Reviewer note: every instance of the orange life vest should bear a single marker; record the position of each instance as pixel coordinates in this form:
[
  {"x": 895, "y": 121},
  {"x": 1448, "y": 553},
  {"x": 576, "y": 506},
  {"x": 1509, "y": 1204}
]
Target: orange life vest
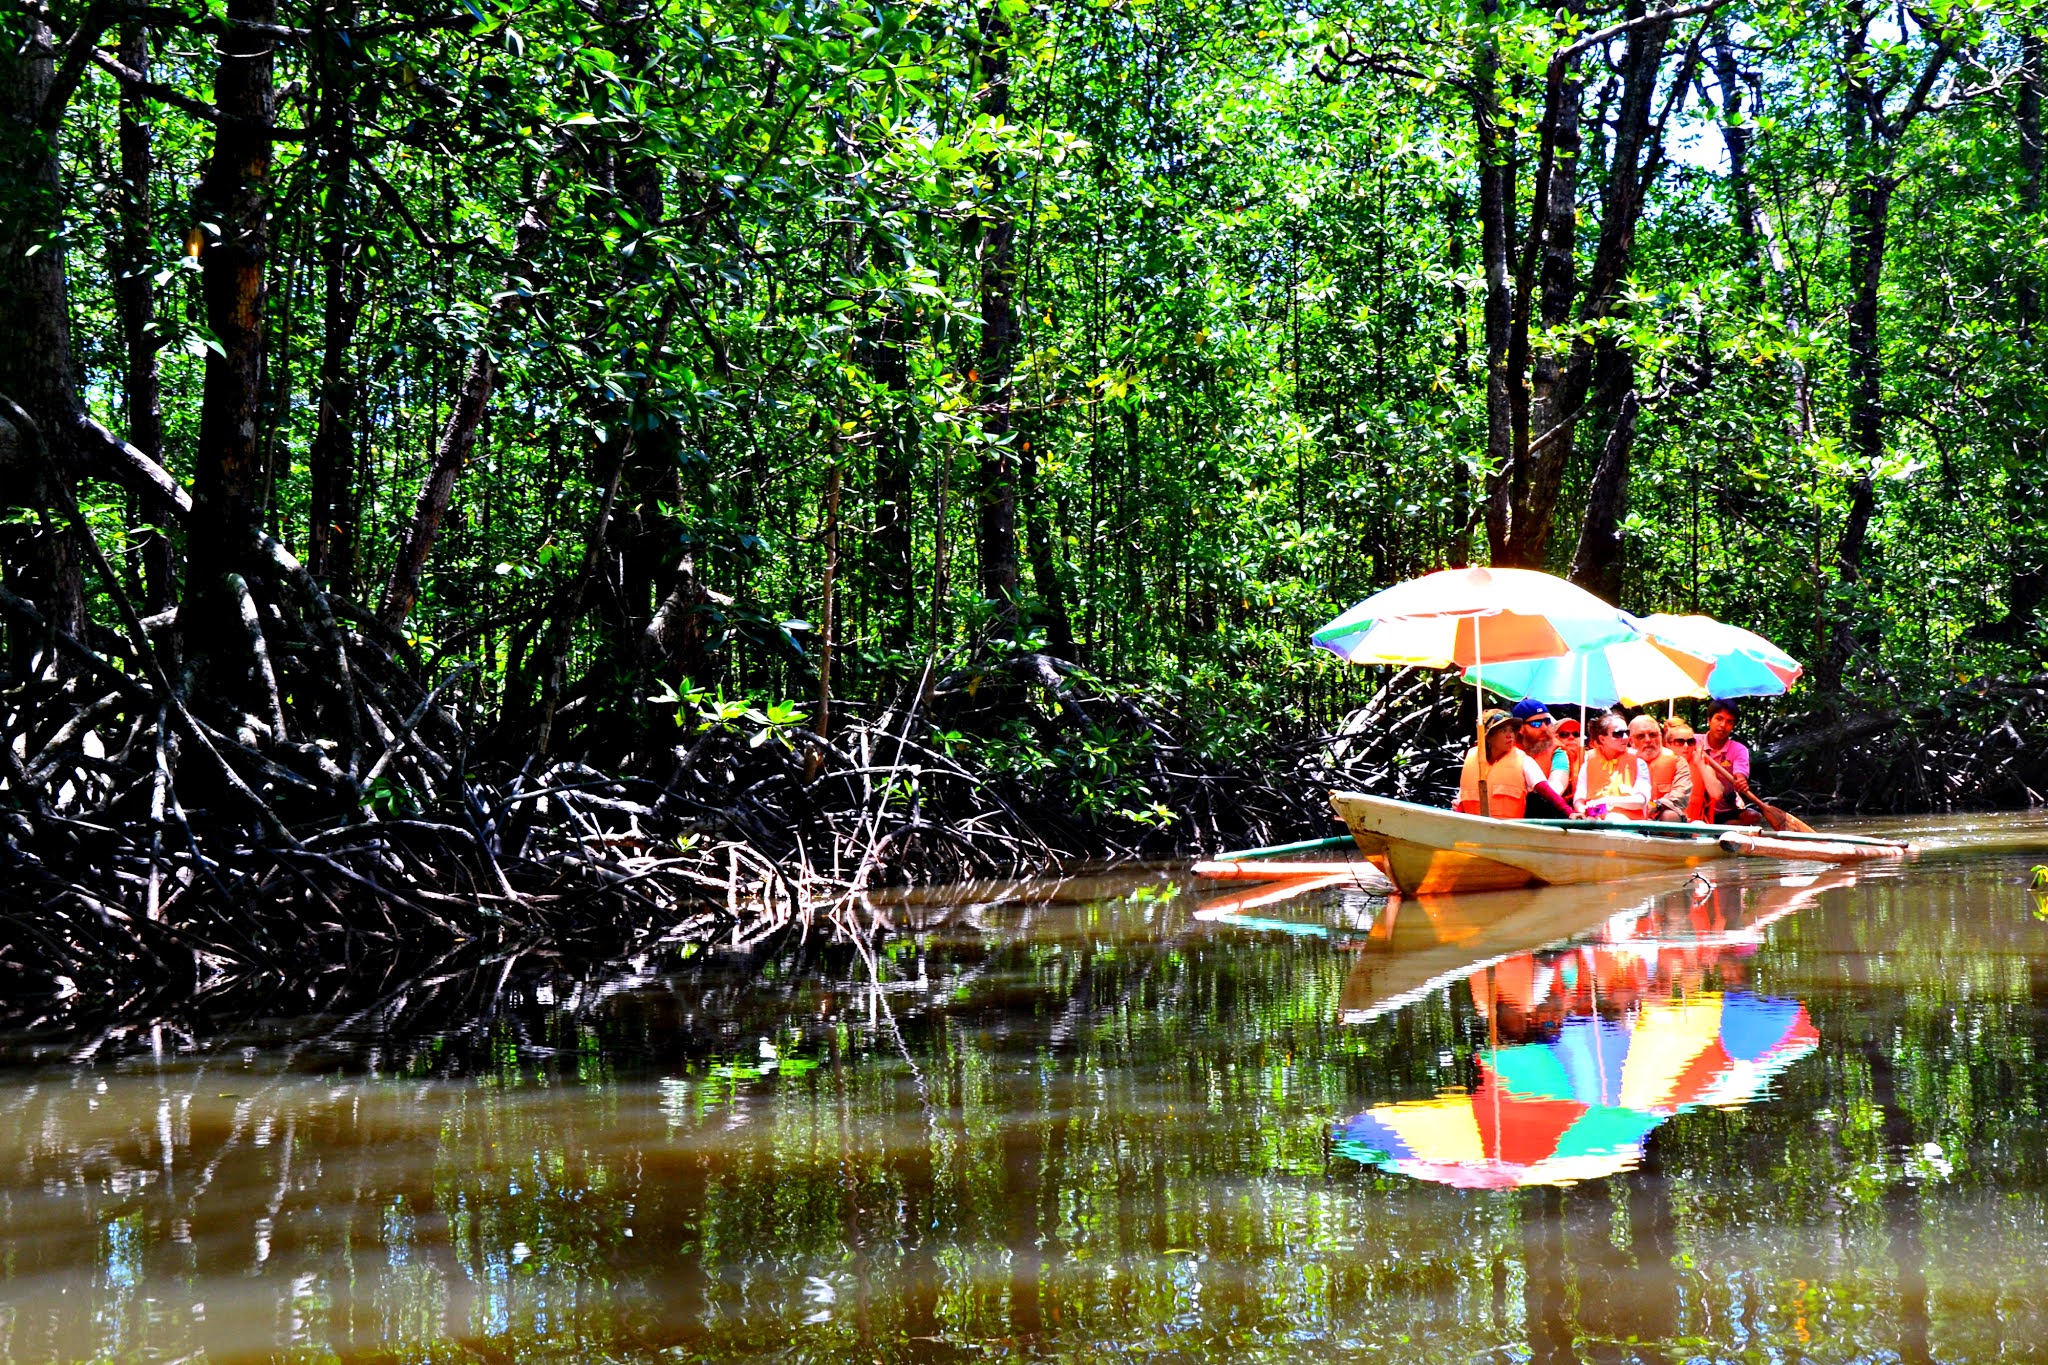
[
  {"x": 1701, "y": 807},
  {"x": 1612, "y": 781},
  {"x": 1663, "y": 773},
  {"x": 1507, "y": 784}
]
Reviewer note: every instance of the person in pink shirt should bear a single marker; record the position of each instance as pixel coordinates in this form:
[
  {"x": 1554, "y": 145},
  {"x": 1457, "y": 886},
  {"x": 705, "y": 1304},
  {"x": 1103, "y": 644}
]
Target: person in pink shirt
[{"x": 1719, "y": 746}]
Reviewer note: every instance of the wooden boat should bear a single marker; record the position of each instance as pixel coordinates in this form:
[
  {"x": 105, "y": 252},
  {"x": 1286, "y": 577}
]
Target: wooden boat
[{"x": 1430, "y": 852}]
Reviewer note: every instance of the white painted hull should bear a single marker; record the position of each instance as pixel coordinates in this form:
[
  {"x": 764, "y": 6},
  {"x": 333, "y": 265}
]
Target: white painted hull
[{"x": 1431, "y": 852}]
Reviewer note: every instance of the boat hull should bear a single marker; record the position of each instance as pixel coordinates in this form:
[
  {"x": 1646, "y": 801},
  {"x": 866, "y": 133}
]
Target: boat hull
[{"x": 1431, "y": 852}]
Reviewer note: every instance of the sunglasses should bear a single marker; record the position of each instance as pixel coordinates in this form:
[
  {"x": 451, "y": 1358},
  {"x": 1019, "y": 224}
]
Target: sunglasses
[
  {"x": 1686, "y": 742},
  {"x": 1536, "y": 722}
]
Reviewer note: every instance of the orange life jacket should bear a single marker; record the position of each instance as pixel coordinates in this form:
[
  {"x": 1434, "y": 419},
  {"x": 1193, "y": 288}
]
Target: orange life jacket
[
  {"x": 1701, "y": 806},
  {"x": 1707, "y": 784},
  {"x": 1507, "y": 784},
  {"x": 1663, "y": 773},
  {"x": 1607, "y": 780}
]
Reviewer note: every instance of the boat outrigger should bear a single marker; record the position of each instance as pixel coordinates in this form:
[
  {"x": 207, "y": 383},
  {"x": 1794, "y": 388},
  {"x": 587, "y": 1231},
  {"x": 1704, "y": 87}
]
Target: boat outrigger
[{"x": 1431, "y": 852}]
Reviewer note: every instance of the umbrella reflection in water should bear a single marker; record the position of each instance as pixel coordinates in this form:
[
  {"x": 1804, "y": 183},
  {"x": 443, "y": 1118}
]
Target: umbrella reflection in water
[{"x": 1608, "y": 1040}]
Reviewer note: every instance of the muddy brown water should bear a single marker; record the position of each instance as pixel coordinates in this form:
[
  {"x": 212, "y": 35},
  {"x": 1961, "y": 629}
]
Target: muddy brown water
[{"x": 1784, "y": 1116}]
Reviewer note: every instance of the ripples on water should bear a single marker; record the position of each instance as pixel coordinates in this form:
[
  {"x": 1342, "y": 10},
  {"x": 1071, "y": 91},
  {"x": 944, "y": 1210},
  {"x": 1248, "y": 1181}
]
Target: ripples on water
[{"x": 1803, "y": 1119}]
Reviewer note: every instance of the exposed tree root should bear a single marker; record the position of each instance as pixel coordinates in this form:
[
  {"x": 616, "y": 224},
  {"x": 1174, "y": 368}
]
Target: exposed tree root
[
  {"x": 335, "y": 828},
  {"x": 326, "y": 824}
]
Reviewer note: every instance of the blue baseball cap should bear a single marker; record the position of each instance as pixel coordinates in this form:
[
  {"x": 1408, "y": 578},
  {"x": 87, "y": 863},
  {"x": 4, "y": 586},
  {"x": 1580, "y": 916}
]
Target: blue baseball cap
[{"x": 1528, "y": 708}]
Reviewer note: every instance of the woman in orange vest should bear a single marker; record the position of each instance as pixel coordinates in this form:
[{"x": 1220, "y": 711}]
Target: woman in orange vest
[
  {"x": 1512, "y": 777},
  {"x": 1679, "y": 739},
  {"x": 1614, "y": 782}
]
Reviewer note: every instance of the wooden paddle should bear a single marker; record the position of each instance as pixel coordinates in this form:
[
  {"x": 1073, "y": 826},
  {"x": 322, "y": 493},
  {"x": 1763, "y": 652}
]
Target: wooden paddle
[{"x": 1779, "y": 820}]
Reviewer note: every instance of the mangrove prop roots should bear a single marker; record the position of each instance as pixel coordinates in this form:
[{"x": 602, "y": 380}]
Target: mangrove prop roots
[
  {"x": 323, "y": 824},
  {"x": 338, "y": 830}
]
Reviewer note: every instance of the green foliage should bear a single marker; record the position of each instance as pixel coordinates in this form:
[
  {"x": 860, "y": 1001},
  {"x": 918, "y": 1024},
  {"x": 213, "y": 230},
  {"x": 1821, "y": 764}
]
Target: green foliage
[
  {"x": 1250, "y": 371},
  {"x": 701, "y": 709}
]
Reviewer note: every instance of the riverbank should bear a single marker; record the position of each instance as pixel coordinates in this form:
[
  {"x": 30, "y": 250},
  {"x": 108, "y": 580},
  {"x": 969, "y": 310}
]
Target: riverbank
[{"x": 137, "y": 888}]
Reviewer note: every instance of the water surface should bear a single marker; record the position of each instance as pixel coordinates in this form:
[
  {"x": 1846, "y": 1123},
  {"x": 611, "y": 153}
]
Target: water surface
[{"x": 1781, "y": 1117}]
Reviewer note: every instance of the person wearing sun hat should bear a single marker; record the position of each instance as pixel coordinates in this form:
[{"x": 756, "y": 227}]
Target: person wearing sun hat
[{"x": 1516, "y": 786}]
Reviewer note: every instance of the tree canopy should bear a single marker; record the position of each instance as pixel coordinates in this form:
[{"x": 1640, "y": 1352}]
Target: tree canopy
[{"x": 624, "y": 346}]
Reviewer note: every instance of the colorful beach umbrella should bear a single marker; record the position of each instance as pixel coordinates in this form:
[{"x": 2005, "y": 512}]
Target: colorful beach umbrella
[
  {"x": 1745, "y": 663},
  {"x": 1631, "y": 672},
  {"x": 1470, "y": 618},
  {"x": 1467, "y": 618}
]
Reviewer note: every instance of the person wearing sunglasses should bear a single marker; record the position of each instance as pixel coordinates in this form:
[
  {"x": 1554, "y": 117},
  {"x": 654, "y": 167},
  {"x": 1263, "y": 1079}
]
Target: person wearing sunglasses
[
  {"x": 1532, "y": 721},
  {"x": 1614, "y": 783},
  {"x": 1571, "y": 743},
  {"x": 1679, "y": 739},
  {"x": 1536, "y": 736},
  {"x": 1670, "y": 775}
]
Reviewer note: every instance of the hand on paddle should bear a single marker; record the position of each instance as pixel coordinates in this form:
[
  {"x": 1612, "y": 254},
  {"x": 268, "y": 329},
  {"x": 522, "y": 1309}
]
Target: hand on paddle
[{"x": 1771, "y": 815}]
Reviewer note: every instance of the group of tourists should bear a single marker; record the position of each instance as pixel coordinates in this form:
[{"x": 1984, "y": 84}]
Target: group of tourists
[{"x": 1538, "y": 767}]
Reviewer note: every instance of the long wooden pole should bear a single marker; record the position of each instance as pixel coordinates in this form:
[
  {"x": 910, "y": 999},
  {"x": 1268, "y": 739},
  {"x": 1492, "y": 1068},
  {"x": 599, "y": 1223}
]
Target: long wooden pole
[{"x": 1479, "y": 714}]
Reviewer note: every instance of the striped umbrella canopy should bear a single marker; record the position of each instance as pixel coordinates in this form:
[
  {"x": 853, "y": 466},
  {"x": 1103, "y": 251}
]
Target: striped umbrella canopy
[
  {"x": 1631, "y": 672},
  {"x": 1473, "y": 618},
  {"x": 1745, "y": 663},
  {"x": 1470, "y": 618}
]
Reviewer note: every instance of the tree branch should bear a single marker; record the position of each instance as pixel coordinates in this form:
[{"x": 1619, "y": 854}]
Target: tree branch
[
  {"x": 1566, "y": 55},
  {"x": 77, "y": 53},
  {"x": 178, "y": 99}
]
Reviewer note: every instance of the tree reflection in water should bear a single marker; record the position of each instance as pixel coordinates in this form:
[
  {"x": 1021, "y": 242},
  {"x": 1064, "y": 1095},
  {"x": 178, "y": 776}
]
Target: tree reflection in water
[{"x": 1090, "y": 1129}]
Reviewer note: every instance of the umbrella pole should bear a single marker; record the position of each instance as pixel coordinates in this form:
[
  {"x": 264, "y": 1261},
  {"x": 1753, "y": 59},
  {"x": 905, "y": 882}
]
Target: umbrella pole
[
  {"x": 1584, "y": 734},
  {"x": 1479, "y": 718}
]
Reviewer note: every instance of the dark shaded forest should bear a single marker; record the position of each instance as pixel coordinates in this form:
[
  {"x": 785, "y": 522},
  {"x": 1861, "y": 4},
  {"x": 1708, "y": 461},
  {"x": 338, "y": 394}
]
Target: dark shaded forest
[{"x": 561, "y": 467}]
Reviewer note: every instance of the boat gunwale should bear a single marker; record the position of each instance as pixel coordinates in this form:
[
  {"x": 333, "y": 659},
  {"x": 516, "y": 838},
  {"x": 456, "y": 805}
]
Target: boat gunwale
[{"x": 1535, "y": 836}]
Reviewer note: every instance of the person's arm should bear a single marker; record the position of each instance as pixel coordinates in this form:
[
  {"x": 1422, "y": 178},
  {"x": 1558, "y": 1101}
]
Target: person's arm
[
  {"x": 1738, "y": 763},
  {"x": 1710, "y": 781},
  {"x": 1540, "y": 800},
  {"x": 1680, "y": 795},
  {"x": 1468, "y": 788},
  {"x": 1544, "y": 803},
  {"x": 1561, "y": 778}
]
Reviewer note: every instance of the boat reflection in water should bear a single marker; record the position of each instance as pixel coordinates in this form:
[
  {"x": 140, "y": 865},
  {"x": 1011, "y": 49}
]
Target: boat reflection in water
[{"x": 1591, "y": 1044}]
